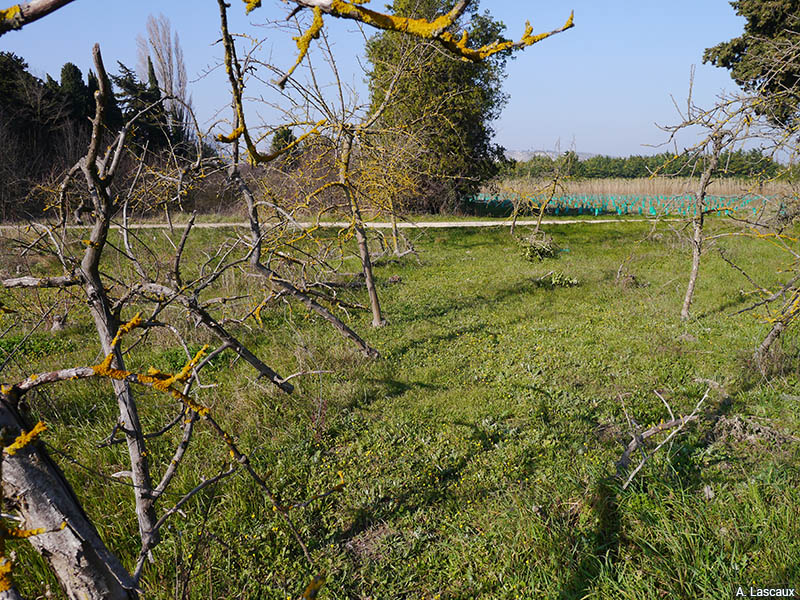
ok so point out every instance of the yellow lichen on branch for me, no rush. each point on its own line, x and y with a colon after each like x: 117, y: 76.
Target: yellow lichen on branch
x: 163, y: 384
x: 24, y: 439
x: 23, y: 534
x: 434, y: 29
x: 460, y: 48
x: 14, y: 534
x: 5, y: 575
x: 252, y: 5
x: 304, y: 41
x: 10, y: 18
x: 233, y: 136
x: 257, y: 312
x: 156, y: 379
x: 418, y: 27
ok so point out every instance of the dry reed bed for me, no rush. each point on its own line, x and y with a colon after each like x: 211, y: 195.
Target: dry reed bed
x: 656, y: 186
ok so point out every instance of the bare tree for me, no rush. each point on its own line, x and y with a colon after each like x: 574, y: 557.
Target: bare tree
x: 165, y: 290
x: 162, y: 46
x: 723, y: 127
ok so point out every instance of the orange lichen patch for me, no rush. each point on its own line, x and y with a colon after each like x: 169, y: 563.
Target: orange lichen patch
x: 25, y: 438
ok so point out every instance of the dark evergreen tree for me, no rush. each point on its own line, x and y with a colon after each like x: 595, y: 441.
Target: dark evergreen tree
x: 765, y: 57
x: 136, y: 96
x: 448, y: 103
x: 282, y: 138
x: 76, y: 93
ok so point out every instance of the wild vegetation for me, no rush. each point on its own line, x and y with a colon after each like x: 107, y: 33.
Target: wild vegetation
x: 478, y: 454
x: 291, y: 409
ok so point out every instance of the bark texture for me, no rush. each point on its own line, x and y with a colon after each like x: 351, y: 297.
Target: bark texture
x: 38, y: 490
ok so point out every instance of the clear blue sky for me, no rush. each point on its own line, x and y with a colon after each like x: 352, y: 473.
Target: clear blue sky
x: 599, y: 87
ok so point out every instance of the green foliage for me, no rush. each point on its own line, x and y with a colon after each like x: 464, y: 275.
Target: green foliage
x: 478, y: 453
x: 160, y: 126
x: 38, y: 345
x: 282, y: 138
x: 763, y: 58
x: 42, y: 127
x: 136, y: 96
x: 76, y: 93
x: 536, y: 248
x: 449, y: 104
x: 739, y: 164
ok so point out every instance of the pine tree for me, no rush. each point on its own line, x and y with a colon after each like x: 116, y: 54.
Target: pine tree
x: 764, y: 58
x: 76, y: 93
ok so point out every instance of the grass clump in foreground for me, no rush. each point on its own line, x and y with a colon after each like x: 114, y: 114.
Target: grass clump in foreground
x: 478, y: 452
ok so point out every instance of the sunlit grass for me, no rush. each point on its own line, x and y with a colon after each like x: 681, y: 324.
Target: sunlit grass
x: 478, y: 452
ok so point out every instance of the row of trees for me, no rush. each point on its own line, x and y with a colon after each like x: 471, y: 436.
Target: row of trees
x: 45, y: 124
x: 739, y: 163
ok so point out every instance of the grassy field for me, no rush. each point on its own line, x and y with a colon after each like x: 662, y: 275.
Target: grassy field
x: 478, y: 453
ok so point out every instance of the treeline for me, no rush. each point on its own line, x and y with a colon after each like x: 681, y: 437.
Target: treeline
x: 740, y: 164
x: 45, y: 126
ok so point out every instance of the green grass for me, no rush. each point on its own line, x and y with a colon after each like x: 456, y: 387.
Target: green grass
x: 478, y: 452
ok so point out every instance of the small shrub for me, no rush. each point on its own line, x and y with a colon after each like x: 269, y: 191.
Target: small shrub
x: 538, y: 247
x: 555, y: 279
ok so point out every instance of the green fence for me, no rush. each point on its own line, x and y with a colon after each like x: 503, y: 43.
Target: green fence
x: 604, y: 204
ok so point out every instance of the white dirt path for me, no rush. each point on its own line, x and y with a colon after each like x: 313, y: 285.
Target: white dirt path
x: 370, y: 224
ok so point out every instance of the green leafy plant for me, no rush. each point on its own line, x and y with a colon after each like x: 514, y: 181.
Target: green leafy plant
x: 538, y: 247
x: 555, y: 279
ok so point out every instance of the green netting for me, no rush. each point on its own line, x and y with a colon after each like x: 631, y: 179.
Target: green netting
x: 602, y: 204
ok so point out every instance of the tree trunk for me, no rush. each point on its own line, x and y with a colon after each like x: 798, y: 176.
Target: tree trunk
x: 107, y: 324
x: 697, y: 247
x: 697, y: 237
x: 773, y: 335
x: 361, y: 235
x: 395, y: 232
x: 38, y: 490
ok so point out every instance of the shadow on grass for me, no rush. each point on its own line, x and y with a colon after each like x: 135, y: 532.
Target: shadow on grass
x: 732, y: 303
x: 448, y: 306
x: 606, y: 540
x: 682, y: 473
x: 428, y: 492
